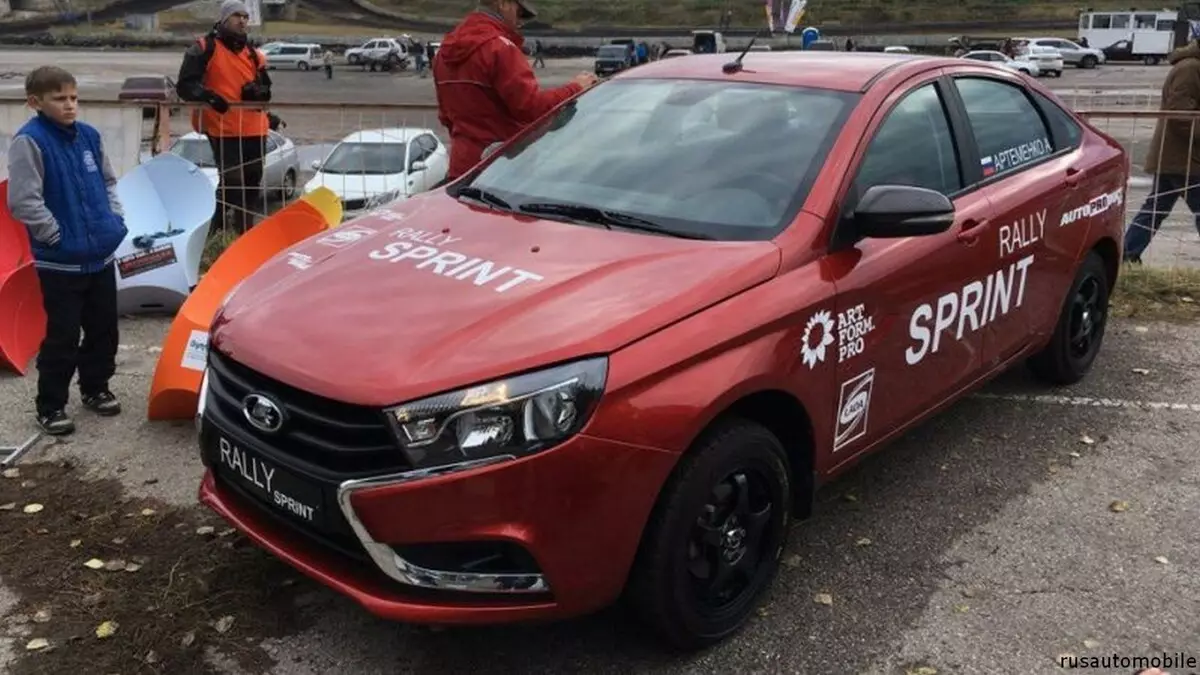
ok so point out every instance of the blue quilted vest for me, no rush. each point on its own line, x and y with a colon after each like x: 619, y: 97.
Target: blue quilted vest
x: 75, y: 193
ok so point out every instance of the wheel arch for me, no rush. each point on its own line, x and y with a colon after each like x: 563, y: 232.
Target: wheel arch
x: 1110, y: 253
x: 786, y: 417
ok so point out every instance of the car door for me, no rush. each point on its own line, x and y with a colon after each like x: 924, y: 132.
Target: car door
x: 1071, y: 52
x: 1029, y: 179
x: 905, y: 333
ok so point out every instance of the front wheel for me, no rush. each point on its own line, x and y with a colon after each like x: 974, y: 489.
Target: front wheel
x: 1088, y: 61
x: 1080, y: 330
x: 713, y: 544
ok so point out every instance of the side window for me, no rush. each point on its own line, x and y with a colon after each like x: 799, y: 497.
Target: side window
x: 428, y: 143
x: 914, y: 146
x: 1008, y: 129
x: 272, y: 142
x: 1066, y: 131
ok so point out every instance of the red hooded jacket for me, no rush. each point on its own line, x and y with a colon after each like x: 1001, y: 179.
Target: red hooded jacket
x: 486, y: 89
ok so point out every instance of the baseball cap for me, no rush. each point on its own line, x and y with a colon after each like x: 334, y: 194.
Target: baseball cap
x: 527, y: 10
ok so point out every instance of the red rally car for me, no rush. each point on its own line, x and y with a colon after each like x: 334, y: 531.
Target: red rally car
x: 616, y: 359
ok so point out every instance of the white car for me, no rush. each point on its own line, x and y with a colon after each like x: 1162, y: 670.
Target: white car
x: 1073, y: 53
x: 281, y: 164
x: 896, y: 49
x: 373, y: 167
x: 376, y: 51
x: 1000, y: 59
x: 1048, y: 59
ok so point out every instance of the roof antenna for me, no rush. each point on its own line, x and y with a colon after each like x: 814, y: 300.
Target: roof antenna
x: 735, y: 65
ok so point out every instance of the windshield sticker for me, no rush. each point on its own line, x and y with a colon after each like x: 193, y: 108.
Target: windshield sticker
x: 962, y: 307
x: 853, y: 326
x: 452, y: 264
x: 1011, y: 158
x: 341, y: 237
x: 1094, y: 207
x: 818, y: 334
x: 854, y: 402
x: 1023, y: 233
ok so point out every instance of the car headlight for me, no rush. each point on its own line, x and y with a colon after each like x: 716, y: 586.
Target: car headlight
x: 513, y: 417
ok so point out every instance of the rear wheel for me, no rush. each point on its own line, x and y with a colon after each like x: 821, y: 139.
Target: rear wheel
x: 1080, y: 330
x: 713, y: 544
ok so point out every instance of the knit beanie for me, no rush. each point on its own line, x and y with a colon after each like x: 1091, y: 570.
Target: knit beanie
x: 231, y: 7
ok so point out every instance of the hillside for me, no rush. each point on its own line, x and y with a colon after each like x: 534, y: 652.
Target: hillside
x: 749, y: 13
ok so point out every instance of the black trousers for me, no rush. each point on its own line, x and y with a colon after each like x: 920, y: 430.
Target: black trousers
x: 76, y: 302
x: 240, y: 195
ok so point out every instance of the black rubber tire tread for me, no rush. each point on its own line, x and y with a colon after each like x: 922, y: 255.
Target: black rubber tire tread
x: 1053, y: 364
x: 649, y: 591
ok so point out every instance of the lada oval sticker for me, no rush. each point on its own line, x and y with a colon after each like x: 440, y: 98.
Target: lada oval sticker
x: 854, y: 407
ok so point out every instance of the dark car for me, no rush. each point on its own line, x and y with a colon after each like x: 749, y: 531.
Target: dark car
x: 148, y: 88
x: 611, y: 59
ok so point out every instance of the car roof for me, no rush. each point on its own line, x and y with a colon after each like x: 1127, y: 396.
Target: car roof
x: 840, y: 71
x: 386, y: 135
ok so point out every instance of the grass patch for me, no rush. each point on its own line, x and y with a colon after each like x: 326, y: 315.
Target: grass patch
x: 215, y: 245
x: 1162, y: 293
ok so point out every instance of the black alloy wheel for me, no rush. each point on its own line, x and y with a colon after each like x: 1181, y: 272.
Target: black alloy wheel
x: 1079, y: 333
x: 713, y: 543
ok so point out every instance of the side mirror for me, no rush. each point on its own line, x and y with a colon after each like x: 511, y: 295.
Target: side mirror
x: 491, y: 149
x: 896, y: 211
x: 417, y: 166
x: 316, y: 165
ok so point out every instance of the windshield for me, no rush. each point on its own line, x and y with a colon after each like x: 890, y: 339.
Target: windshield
x: 723, y: 160
x: 195, y: 150
x: 366, y: 158
x: 611, y: 52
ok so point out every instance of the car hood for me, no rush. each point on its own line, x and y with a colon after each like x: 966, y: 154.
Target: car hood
x: 356, y: 185
x: 430, y: 294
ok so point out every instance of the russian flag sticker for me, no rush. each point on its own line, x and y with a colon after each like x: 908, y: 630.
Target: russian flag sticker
x: 989, y: 165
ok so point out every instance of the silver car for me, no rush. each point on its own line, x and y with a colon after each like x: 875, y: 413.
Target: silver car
x: 1072, y: 53
x: 300, y: 56
x: 281, y: 165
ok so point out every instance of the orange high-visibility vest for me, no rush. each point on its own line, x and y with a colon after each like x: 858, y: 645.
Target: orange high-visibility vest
x: 225, y: 76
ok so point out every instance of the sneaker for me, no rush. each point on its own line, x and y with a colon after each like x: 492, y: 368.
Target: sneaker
x: 56, y: 423
x: 103, y: 403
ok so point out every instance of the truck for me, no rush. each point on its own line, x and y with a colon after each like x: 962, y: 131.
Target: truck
x: 708, y: 42
x: 1140, y: 35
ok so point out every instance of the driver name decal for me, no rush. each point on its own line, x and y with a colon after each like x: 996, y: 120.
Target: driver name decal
x: 968, y: 309
x: 426, y: 251
x: 1011, y: 158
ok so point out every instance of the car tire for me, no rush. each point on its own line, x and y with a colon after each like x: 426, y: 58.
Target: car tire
x: 289, y: 185
x: 1088, y: 61
x: 303, y: 65
x: 1079, y: 333
x: 738, y: 459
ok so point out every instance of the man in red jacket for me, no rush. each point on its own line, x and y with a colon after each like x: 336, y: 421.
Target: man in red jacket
x: 486, y: 89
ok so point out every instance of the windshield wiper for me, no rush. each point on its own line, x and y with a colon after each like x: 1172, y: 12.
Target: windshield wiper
x: 592, y: 214
x: 489, y: 198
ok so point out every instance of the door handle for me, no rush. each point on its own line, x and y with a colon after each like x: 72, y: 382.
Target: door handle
x: 1072, y: 179
x: 970, y: 231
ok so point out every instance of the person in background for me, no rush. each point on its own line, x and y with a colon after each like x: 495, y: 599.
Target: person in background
x: 328, y: 59
x: 486, y: 90
x: 539, y: 54
x: 219, y: 69
x: 63, y: 189
x: 1173, y: 158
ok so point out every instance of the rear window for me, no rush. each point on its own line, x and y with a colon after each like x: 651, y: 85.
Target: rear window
x: 731, y: 161
x: 612, y: 52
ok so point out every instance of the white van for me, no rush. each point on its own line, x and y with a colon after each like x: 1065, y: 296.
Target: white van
x: 289, y: 55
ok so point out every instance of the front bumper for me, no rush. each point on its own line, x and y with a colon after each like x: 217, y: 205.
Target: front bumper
x: 578, y: 510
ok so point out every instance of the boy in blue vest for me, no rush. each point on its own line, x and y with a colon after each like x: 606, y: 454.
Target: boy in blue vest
x: 62, y: 187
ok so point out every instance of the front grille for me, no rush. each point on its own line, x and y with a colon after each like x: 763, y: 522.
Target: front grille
x: 332, y: 440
